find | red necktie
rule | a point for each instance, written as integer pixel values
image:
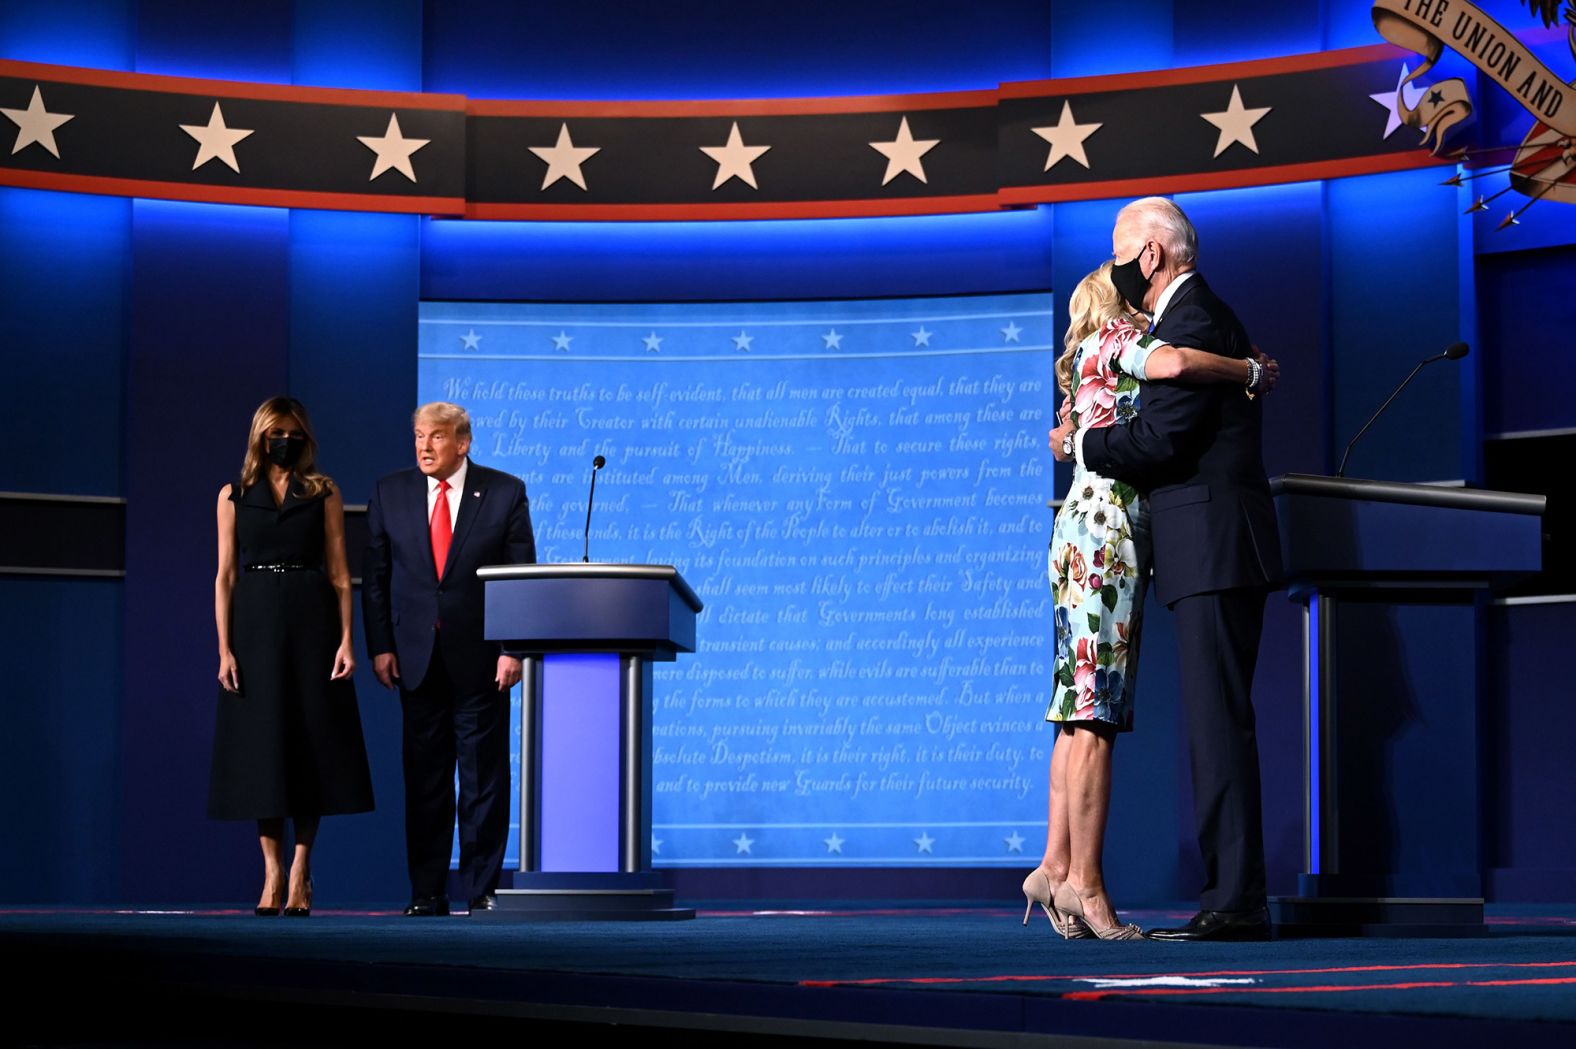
(442, 528)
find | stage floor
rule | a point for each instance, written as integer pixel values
(916, 976)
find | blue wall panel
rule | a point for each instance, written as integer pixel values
(1394, 299)
(98, 34)
(711, 49)
(60, 643)
(825, 258)
(1525, 299)
(63, 268)
(1529, 851)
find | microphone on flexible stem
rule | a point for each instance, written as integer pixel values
(1453, 352)
(596, 464)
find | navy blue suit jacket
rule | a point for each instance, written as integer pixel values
(1197, 452)
(402, 599)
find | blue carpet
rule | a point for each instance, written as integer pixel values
(1523, 969)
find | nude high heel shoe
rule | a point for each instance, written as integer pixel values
(1037, 888)
(1067, 902)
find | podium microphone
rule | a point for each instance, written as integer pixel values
(1453, 352)
(597, 464)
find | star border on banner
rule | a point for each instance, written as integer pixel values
(1411, 94)
(743, 844)
(215, 141)
(833, 339)
(471, 340)
(564, 159)
(904, 154)
(393, 150)
(1067, 138)
(734, 159)
(656, 845)
(1011, 332)
(925, 841)
(834, 844)
(743, 341)
(36, 124)
(921, 337)
(653, 343)
(1236, 123)
(1014, 842)
(562, 340)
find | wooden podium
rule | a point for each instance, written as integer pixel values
(1392, 577)
(591, 633)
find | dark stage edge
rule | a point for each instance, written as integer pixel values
(955, 976)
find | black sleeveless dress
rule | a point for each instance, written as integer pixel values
(289, 743)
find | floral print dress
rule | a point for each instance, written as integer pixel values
(1100, 552)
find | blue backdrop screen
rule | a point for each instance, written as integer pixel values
(858, 491)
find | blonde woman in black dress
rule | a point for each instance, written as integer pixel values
(287, 740)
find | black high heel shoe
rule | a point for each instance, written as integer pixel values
(302, 912)
(266, 912)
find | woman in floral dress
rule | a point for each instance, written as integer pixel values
(1099, 570)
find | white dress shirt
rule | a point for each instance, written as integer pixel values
(456, 490)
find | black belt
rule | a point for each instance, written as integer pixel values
(281, 568)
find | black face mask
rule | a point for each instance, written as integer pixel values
(286, 451)
(1130, 282)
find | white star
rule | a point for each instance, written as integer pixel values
(833, 339)
(741, 844)
(393, 150)
(653, 343)
(1066, 138)
(215, 141)
(922, 337)
(1011, 331)
(904, 152)
(925, 841)
(1236, 123)
(834, 843)
(734, 159)
(1412, 95)
(564, 159)
(742, 341)
(35, 124)
(1015, 842)
(656, 845)
(561, 341)
(471, 340)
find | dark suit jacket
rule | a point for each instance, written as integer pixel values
(402, 600)
(1197, 452)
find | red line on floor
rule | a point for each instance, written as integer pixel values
(1011, 978)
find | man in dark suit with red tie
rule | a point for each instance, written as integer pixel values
(430, 529)
(1197, 453)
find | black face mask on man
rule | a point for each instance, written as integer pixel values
(1130, 280)
(286, 451)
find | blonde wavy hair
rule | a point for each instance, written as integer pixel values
(445, 414)
(1094, 303)
(280, 412)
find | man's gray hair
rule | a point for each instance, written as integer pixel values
(1160, 219)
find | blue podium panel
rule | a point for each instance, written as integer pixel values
(580, 770)
(1391, 575)
(570, 606)
(1356, 538)
(1364, 533)
(588, 634)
